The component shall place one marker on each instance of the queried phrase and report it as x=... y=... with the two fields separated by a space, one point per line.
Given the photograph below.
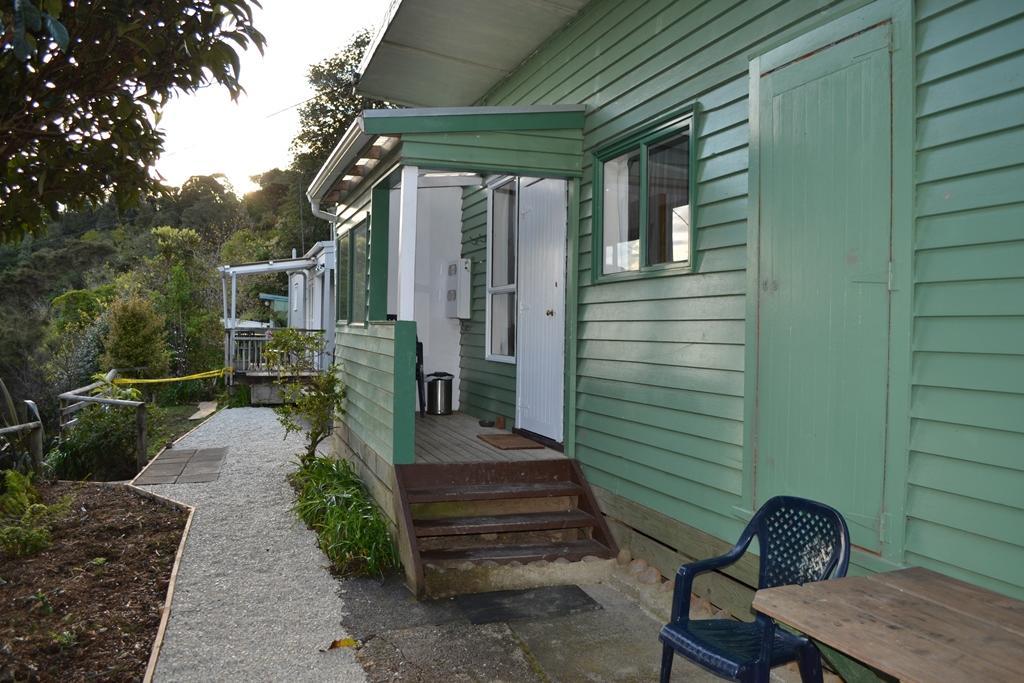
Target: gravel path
x=254 y=600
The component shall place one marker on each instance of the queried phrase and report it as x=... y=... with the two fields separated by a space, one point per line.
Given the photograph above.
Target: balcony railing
x=244 y=350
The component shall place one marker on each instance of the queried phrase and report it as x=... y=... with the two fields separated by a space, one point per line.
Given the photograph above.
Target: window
x=502 y=225
x=357 y=310
x=342 y=276
x=643 y=217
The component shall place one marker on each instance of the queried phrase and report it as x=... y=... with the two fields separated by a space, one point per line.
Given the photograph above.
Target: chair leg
x=666 y=663
x=810 y=664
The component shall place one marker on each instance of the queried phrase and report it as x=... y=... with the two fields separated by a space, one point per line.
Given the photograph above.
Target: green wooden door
x=823 y=296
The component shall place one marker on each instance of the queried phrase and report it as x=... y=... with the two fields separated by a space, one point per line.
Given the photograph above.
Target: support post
x=407 y=243
x=234 y=300
x=140 y=436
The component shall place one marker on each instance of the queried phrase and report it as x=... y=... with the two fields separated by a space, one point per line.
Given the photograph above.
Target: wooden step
x=543 y=489
x=498 y=524
x=570 y=550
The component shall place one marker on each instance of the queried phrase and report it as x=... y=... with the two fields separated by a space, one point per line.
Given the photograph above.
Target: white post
x=407 y=243
x=234 y=298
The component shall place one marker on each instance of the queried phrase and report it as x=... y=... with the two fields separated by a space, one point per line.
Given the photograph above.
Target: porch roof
x=543 y=141
x=451 y=52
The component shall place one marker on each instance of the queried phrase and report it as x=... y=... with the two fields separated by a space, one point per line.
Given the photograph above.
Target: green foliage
x=237 y=396
x=137 y=337
x=102 y=445
x=25 y=521
x=14 y=448
x=85 y=127
x=327 y=115
x=311 y=398
x=352 y=531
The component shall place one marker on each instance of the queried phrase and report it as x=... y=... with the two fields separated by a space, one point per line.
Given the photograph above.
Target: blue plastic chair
x=800 y=541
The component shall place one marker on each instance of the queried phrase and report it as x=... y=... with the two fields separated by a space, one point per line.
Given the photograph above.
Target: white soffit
x=451 y=52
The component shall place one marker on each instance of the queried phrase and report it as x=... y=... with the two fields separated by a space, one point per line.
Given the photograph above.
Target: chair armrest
x=688 y=572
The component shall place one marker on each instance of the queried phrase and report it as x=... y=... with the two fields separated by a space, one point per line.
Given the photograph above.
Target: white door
x=540 y=338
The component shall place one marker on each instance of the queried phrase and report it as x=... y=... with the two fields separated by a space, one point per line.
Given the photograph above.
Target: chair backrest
x=800 y=541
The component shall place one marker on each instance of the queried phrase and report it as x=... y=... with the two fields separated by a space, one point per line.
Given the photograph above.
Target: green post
x=380 y=199
x=403 y=451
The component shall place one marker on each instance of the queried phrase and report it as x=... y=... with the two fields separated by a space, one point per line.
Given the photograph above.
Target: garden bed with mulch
x=88 y=607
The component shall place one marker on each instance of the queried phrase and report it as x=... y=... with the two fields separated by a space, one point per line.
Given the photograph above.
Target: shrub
x=311 y=401
x=102 y=443
x=352 y=531
x=24 y=520
x=136 y=338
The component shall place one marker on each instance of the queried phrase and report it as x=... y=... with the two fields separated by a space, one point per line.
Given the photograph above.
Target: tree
x=83 y=85
x=326 y=116
x=137 y=337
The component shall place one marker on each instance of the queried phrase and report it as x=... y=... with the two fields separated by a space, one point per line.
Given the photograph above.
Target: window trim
x=490 y=290
x=682 y=119
x=344 y=252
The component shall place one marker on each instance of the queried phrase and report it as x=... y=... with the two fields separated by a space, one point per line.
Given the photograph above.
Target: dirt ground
x=88 y=607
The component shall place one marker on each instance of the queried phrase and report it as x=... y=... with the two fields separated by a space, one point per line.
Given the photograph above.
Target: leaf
x=57 y=32
x=343 y=642
x=33 y=18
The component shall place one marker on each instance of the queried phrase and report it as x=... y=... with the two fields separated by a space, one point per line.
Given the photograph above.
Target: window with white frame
x=502 y=224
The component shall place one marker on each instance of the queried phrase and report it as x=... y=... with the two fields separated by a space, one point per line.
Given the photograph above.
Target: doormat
x=533 y=603
x=509 y=442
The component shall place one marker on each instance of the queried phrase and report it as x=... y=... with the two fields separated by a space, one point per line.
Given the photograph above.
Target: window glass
x=358 y=312
x=503 y=235
x=342 y=277
x=503 y=324
x=621 y=206
x=668 y=201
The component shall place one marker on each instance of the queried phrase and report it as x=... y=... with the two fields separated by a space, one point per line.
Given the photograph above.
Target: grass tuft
x=352 y=531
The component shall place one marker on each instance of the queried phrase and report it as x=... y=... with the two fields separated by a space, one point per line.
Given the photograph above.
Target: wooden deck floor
x=453 y=439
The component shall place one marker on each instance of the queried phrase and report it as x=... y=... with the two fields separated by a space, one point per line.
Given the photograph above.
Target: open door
x=540 y=372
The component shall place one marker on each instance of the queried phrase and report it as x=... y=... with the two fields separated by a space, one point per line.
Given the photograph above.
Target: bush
x=101 y=445
x=24 y=520
x=352 y=531
x=311 y=401
x=136 y=338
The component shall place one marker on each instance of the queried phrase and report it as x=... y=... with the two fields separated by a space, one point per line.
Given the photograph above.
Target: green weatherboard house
x=711 y=252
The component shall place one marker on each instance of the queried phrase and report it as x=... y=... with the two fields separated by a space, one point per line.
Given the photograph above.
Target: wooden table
x=913 y=624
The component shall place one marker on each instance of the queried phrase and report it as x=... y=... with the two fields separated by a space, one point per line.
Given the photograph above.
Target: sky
x=207 y=133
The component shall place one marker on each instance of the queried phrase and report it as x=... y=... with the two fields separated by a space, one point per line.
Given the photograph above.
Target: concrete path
x=254 y=600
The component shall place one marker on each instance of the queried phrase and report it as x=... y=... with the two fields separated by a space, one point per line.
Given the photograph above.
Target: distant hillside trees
x=81 y=88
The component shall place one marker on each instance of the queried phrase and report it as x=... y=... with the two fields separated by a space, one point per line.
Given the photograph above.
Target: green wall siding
x=660 y=371
x=965 y=498
x=367 y=358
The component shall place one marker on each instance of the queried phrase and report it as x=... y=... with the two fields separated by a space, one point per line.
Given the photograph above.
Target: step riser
x=428 y=543
x=470 y=508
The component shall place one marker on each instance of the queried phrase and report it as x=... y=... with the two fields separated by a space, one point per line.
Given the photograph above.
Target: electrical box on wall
x=457 y=287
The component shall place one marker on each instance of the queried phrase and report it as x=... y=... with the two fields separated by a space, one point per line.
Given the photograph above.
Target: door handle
x=550 y=312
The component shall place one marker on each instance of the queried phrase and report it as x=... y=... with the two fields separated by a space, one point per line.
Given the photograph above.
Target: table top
x=913 y=624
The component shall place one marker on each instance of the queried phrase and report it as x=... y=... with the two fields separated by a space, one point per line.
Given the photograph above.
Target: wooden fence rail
x=76 y=399
x=35 y=430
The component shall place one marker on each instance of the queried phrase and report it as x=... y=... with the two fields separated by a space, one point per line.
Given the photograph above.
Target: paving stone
x=201 y=468
x=197 y=478
x=177 y=453
x=165 y=468
x=211 y=452
x=151 y=479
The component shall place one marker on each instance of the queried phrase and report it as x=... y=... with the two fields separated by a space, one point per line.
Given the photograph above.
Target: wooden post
x=35 y=447
x=140 y=435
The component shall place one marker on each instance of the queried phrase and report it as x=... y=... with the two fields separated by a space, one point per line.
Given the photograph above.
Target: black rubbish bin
x=439 y=393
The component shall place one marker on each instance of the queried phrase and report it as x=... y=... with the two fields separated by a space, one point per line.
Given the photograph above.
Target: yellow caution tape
x=198 y=375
